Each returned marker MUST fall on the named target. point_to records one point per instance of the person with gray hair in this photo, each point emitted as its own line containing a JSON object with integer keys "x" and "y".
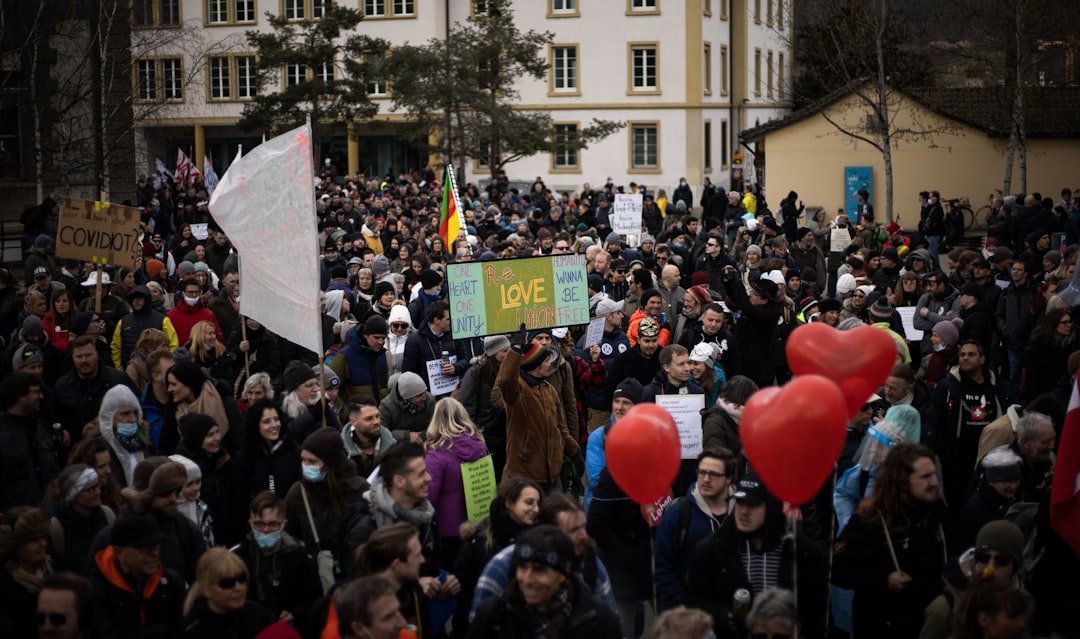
{"x": 682, "y": 622}
{"x": 998, "y": 487}
{"x": 1035, "y": 439}
{"x": 257, "y": 387}
{"x": 774, "y": 614}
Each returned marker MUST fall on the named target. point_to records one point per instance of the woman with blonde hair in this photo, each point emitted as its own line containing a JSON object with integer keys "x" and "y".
{"x": 217, "y": 603}
{"x": 452, "y": 439}
{"x": 208, "y": 352}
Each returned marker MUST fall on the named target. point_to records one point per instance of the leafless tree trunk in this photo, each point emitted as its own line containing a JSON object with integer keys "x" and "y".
{"x": 883, "y": 113}
{"x": 35, "y": 105}
{"x": 1018, "y": 102}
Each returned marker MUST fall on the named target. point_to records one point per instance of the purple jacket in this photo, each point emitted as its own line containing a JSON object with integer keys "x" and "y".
{"x": 446, "y": 492}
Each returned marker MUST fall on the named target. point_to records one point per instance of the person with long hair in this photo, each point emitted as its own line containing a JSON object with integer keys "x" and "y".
{"x": 58, "y": 320}
{"x": 217, "y": 605}
{"x": 190, "y": 391}
{"x": 452, "y": 440}
{"x": 208, "y": 352}
{"x": 892, "y": 553}
{"x": 138, "y": 368}
{"x": 268, "y": 460}
{"x": 95, "y": 453}
{"x": 1047, "y": 354}
{"x": 73, "y": 501}
{"x": 476, "y": 387}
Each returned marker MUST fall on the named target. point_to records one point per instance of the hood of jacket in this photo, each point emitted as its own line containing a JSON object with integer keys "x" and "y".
{"x": 467, "y": 448}
{"x": 386, "y": 440}
{"x": 107, "y": 565}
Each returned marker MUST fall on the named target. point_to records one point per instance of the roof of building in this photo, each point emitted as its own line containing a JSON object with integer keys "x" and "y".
{"x": 1049, "y": 112}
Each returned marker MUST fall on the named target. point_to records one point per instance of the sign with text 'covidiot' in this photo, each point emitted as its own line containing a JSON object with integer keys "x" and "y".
{"x": 489, "y": 298}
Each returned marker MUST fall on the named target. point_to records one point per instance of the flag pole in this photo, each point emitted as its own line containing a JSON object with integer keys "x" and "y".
{"x": 318, "y": 285}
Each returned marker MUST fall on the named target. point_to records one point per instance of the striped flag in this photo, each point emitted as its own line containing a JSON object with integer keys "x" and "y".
{"x": 1065, "y": 489}
{"x": 450, "y": 211}
{"x": 183, "y": 167}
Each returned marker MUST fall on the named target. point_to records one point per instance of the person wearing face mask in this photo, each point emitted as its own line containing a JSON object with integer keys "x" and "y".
{"x": 190, "y": 311}
{"x": 119, "y": 423}
{"x": 283, "y": 577}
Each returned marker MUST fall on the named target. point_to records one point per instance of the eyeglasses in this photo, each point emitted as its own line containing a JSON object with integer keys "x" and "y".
{"x": 710, "y": 475}
{"x": 229, "y": 583}
{"x": 620, "y": 270}
{"x": 271, "y": 526}
{"x": 55, "y": 618}
{"x": 985, "y": 557}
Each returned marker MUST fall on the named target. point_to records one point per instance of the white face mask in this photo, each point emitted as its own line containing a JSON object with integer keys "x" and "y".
{"x": 191, "y": 301}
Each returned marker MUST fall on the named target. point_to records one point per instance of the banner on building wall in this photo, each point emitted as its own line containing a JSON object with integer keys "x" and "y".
{"x": 855, "y": 178}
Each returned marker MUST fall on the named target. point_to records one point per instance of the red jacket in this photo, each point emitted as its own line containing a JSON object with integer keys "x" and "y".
{"x": 184, "y": 318}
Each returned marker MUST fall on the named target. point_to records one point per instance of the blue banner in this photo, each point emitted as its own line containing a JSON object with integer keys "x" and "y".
{"x": 855, "y": 178}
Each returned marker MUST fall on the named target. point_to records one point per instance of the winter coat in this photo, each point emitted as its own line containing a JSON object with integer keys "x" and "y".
{"x": 1044, "y": 365}
{"x": 203, "y": 623}
{"x": 631, "y": 364}
{"x": 623, "y": 540}
{"x": 612, "y": 344}
{"x": 862, "y": 562}
{"x": 635, "y": 322}
{"x": 536, "y": 433}
{"x": 17, "y": 604}
{"x": 446, "y": 492}
{"x": 422, "y": 347}
{"x": 364, "y": 463}
{"x": 674, "y": 542}
{"x": 399, "y": 421}
{"x": 755, "y": 332}
{"x": 288, "y": 579}
{"x": 184, "y": 318}
{"x": 259, "y": 467}
{"x": 226, "y": 511}
{"x": 719, "y": 428}
{"x": 226, "y": 310}
{"x": 984, "y": 506}
{"x": 361, "y": 370}
{"x": 508, "y": 617}
{"x": 119, "y": 612}
{"x": 127, "y": 332}
{"x": 327, "y": 523}
{"x": 76, "y": 533}
{"x": 27, "y": 462}
{"x": 78, "y": 399}
{"x": 262, "y": 356}
{"x": 1014, "y": 315}
{"x": 941, "y": 309}
{"x": 979, "y": 326}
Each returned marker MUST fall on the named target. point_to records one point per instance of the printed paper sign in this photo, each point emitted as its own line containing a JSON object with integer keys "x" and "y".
{"x": 686, "y": 411}
{"x": 907, "y": 318}
{"x": 200, "y": 231}
{"x": 626, "y": 214}
{"x": 496, "y": 297}
{"x": 595, "y": 333}
{"x": 439, "y": 383}
{"x": 99, "y": 232}
{"x": 478, "y": 479}
{"x": 839, "y": 240}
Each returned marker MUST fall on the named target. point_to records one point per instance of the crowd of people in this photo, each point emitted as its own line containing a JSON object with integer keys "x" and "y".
{"x": 171, "y": 468}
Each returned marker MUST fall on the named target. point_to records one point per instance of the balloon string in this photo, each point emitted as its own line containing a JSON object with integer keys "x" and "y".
{"x": 793, "y": 529}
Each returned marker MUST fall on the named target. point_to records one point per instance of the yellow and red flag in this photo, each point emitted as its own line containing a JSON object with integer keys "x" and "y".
{"x": 450, "y": 211}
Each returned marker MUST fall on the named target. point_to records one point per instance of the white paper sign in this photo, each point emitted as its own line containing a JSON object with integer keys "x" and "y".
{"x": 907, "y": 318}
{"x": 686, "y": 411}
{"x": 595, "y": 333}
{"x": 200, "y": 231}
{"x": 438, "y": 383}
{"x": 626, "y": 215}
{"x": 839, "y": 240}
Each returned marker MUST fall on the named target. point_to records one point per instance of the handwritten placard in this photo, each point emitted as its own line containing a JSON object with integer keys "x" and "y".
{"x": 440, "y": 383}
{"x": 907, "y": 318}
{"x": 595, "y": 333}
{"x": 686, "y": 411}
{"x": 626, "y": 214}
{"x": 478, "y": 480}
{"x": 200, "y": 231}
{"x": 489, "y": 298}
{"x": 839, "y": 240}
{"x": 99, "y": 232}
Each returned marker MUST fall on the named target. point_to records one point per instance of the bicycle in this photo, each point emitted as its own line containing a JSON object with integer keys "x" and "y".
{"x": 984, "y": 213}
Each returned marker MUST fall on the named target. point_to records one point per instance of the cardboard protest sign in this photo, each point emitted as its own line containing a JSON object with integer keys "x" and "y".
{"x": 489, "y": 298}
{"x": 99, "y": 232}
{"x": 626, "y": 214}
{"x": 478, "y": 480}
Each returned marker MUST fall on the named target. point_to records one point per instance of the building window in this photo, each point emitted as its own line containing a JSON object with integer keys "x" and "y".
{"x": 707, "y": 68}
{"x": 481, "y": 7}
{"x": 769, "y": 66}
{"x": 642, "y": 7}
{"x": 565, "y": 155}
{"x": 318, "y": 8}
{"x": 172, "y": 79}
{"x": 376, "y": 83}
{"x": 708, "y": 145}
{"x": 644, "y": 152}
{"x": 325, "y": 72}
{"x": 724, "y": 9}
{"x": 757, "y": 72}
{"x": 757, "y": 11}
{"x": 643, "y": 68}
{"x": 155, "y": 13}
{"x": 563, "y": 9}
{"x": 706, "y": 8}
{"x": 146, "y": 79}
{"x": 768, "y": 13}
{"x": 374, "y": 9}
{"x": 780, "y": 15}
{"x": 723, "y": 144}
{"x": 220, "y": 82}
{"x": 230, "y": 11}
{"x": 723, "y": 70}
{"x": 780, "y": 79}
{"x": 246, "y": 82}
{"x": 564, "y": 69}
{"x": 295, "y": 74}
{"x": 294, "y": 9}
{"x": 404, "y": 8}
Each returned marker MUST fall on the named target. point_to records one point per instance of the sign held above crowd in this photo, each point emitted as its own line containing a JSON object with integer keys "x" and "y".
{"x": 489, "y": 298}
{"x": 98, "y": 232}
{"x": 626, "y": 214}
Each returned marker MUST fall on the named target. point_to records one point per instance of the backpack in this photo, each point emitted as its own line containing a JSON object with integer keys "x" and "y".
{"x": 686, "y": 513}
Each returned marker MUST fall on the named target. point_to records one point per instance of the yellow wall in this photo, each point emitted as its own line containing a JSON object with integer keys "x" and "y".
{"x": 809, "y": 157}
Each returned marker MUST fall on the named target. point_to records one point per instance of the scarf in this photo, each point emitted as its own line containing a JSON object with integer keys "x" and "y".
{"x": 133, "y": 444}
{"x": 734, "y": 411}
{"x": 548, "y": 621}
{"x": 387, "y": 511}
{"x": 29, "y": 581}
{"x": 407, "y": 406}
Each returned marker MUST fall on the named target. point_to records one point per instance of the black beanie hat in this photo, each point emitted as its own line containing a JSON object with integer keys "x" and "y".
{"x": 326, "y": 444}
{"x": 189, "y": 374}
{"x": 296, "y": 373}
{"x": 430, "y": 279}
{"x": 80, "y": 323}
{"x": 375, "y": 325}
{"x": 630, "y": 389}
{"x": 383, "y": 288}
{"x": 193, "y": 430}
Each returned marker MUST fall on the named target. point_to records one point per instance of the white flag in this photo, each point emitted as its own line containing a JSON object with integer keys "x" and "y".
{"x": 265, "y": 203}
{"x": 161, "y": 170}
{"x": 211, "y": 178}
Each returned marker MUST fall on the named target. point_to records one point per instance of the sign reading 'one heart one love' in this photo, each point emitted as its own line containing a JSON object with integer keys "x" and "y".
{"x": 793, "y": 435}
{"x": 858, "y": 361}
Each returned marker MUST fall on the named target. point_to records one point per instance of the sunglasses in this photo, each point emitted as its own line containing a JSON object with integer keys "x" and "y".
{"x": 620, "y": 270}
{"x": 55, "y": 618}
{"x": 399, "y": 325}
{"x": 563, "y": 248}
{"x": 1001, "y": 561}
{"x": 229, "y": 583}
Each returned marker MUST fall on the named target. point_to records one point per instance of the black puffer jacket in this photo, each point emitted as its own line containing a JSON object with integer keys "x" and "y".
{"x": 203, "y": 623}
{"x": 507, "y": 617}
{"x": 622, "y": 539}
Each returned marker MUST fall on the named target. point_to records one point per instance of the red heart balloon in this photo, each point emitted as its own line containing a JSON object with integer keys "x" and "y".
{"x": 793, "y": 435}
{"x": 858, "y": 360}
{"x": 643, "y": 452}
